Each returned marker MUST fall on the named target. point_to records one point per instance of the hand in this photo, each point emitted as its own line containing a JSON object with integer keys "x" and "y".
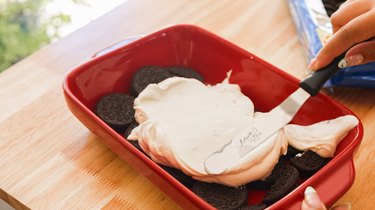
{"x": 312, "y": 202}
{"x": 353, "y": 27}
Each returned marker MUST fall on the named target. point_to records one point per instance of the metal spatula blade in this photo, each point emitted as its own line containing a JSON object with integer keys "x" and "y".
{"x": 269, "y": 123}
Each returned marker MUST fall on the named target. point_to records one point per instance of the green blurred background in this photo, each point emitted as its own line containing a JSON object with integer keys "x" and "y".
{"x": 27, "y": 25}
{"x": 24, "y": 29}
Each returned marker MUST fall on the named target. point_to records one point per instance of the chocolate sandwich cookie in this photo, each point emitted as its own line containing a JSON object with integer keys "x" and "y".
{"x": 147, "y": 75}
{"x": 266, "y": 183}
{"x": 287, "y": 181}
{"x": 129, "y": 129}
{"x": 116, "y": 110}
{"x": 180, "y": 176}
{"x": 220, "y": 196}
{"x": 291, "y": 152}
{"x": 308, "y": 163}
{"x": 127, "y": 132}
{"x": 181, "y": 71}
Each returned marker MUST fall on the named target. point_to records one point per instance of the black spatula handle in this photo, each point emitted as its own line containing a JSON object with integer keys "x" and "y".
{"x": 316, "y": 80}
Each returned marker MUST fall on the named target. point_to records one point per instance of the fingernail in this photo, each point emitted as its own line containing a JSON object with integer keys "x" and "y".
{"x": 343, "y": 206}
{"x": 313, "y": 64}
{"x": 343, "y": 63}
{"x": 312, "y": 198}
{"x": 354, "y": 60}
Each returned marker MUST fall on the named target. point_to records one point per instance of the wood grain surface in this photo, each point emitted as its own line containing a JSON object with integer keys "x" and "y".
{"x": 48, "y": 160}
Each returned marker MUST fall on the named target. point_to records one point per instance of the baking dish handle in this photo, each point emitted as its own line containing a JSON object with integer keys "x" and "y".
{"x": 117, "y": 45}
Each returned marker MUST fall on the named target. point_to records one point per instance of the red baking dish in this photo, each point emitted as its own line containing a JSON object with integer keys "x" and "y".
{"x": 213, "y": 57}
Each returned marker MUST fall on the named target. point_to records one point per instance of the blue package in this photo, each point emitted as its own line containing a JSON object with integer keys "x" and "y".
{"x": 314, "y": 28}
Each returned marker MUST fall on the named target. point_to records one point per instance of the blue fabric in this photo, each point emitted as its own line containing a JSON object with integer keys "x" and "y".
{"x": 356, "y": 76}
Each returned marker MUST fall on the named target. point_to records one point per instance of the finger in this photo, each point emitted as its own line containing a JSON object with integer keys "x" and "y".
{"x": 312, "y": 200}
{"x": 346, "y": 13}
{"x": 347, "y": 1}
{"x": 361, "y": 53}
{"x": 355, "y": 31}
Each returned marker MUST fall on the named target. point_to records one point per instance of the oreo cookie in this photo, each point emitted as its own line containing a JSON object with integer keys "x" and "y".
{"x": 221, "y": 196}
{"x": 291, "y": 152}
{"x": 308, "y": 163}
{"x": 147, "y": 75}
{"x": 180, "y": 176}
{"x": 127, "y": 132}
{"x": 181, "y": 71}
{"x": 266, "y": 184}
{"x": 129, "y": 129}
{"x": 116, "y": 110}
{"x": 287, "y": 181}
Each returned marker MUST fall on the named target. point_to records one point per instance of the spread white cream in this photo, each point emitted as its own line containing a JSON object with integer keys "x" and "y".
{"x": 322, "y": 137}
{"x": 182, "y": 122}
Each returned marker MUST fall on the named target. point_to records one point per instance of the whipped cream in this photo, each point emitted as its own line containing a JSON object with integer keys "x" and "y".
{"x": 186, "y": 117}
{"x": 182, "y": 121}
{"x": 322, "y": 137}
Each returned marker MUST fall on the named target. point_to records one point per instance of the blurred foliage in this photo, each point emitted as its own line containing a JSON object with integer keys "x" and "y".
{"x": 24, "y": 28}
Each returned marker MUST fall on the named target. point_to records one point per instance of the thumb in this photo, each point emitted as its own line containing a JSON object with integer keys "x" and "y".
{"x": 361, "y": 53}
{"x": 312, "y": 200}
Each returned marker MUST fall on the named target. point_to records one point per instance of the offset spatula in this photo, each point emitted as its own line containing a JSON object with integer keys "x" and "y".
{"x": 268, "y": 124}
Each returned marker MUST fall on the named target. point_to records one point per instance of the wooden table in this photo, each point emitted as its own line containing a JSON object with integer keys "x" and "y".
{"x": 49, "y": 160}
